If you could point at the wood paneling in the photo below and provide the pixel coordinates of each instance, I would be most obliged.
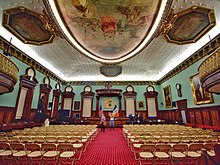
(1, 116)
(207, 116)
(215, 118)
(192, 117)
(198, 118)
(169, 115)
(6, 114)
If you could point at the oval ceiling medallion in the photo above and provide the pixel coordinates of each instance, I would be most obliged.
(108, 29)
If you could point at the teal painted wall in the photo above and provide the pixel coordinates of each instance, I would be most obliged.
(183, 79)
(140, 89)
(9, 99)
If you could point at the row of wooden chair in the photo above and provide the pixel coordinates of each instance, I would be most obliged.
(164, 128)
(172, 140)
(170, 153)
(50, 134)
(40, 153)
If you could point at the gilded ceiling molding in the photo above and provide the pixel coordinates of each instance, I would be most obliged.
(167, 23)
(28, 60)
(119, 83)
(205, 50)
(50, 25)
(176, 29)
(29, 26)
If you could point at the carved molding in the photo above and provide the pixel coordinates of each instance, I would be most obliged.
(8, 67)
(14, 51)
(202, 52)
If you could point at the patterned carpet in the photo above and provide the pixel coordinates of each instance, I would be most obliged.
(108, 148)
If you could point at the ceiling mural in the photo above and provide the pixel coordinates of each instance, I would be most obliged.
(27, 25)
(108, 29)
(190, 25)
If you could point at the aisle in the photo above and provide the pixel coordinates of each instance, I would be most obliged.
(109, 148)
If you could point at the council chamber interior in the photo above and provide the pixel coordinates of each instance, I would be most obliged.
(70, 60)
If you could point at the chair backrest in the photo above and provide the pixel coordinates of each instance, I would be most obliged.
(65, 147)
(195, 147)
(32, 147)
(48, 147)
(148, 147)
(180, 147)
(17, 146)
(9, 134)
(163, 147)
(4, 146)
(209, 146)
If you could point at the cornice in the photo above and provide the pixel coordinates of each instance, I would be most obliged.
(119, 83)
(17, 53)
(202, 52)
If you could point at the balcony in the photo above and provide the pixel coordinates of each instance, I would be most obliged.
(8, 74)
(209, 72)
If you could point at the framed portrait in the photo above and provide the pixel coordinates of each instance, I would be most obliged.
(200, 96)
(167, 97)
(109, 103)
(140, 104)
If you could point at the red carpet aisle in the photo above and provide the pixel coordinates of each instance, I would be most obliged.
(109, 148)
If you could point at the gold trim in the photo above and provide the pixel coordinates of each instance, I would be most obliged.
(14, 51)
(210, 65)
(171, 20)
(140, 104)
(47, 24)
(8, 67)
(167, 24)
(205, 50)
(167, 97)
(200, 96)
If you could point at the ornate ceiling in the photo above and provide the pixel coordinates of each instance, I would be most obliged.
(133, 40)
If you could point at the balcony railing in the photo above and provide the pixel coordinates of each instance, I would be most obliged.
(8, 74)
(210, 65)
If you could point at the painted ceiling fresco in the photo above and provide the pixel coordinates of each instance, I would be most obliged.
(108, 28)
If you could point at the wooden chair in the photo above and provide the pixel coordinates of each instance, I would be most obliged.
(194, 151)
(162, 153)
(146, 153)
(19, 152)
(34, 152)
(177, 153)
(5, 152)
(66, 153)
(50, 152)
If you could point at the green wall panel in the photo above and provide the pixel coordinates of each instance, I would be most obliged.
(9, 99)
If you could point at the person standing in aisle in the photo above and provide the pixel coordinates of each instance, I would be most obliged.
(103, 123)
(112, 120)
